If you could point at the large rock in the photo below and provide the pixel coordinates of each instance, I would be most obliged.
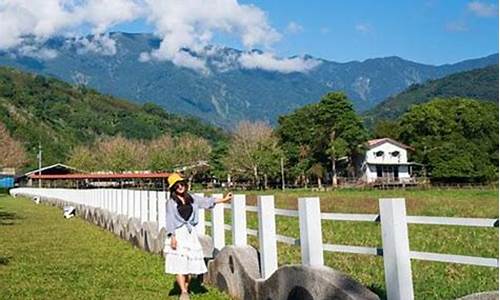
(236, 271)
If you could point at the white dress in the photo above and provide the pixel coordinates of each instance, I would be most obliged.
(188, 257)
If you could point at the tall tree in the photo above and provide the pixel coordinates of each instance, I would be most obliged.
(192, 152)
(119, 154)
(161, 153)
(254, 150)
(331, 129)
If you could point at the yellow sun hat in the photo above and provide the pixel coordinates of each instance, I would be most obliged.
(173, 179)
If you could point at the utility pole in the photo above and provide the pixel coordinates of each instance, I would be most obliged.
(39, 156)
(282, 175)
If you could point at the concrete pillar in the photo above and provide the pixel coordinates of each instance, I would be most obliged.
(144, 206)
(137, 204)
(162, 202)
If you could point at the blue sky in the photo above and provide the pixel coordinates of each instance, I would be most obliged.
(433, 31)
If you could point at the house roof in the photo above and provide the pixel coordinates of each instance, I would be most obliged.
(54, 166)
(376, 142)
(104, 176)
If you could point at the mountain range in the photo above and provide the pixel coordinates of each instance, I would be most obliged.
(227, 93)
(36, 108)
(480, 84)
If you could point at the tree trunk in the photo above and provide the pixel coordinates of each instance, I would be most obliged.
(319, 183)
(190, 181)
(256, 177)
(334, 173)
(265, 181)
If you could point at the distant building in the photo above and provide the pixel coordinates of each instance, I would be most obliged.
(7, 177)
(55, 169)
(386, 161)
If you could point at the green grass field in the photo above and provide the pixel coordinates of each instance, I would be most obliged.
(44, 256)
(432, 280)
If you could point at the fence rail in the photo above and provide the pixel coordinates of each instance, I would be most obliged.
(150, 206)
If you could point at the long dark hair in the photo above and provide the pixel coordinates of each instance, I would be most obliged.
(187, 197)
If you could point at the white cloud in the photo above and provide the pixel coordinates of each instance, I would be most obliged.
(181, 25)
(363, 27)
(269, 62)
(193, 23)
(456, 26)
(99, 43)
(294, 28)
(46, 18)
(37, 52)
(481, 9)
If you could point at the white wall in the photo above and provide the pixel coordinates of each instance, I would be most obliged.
(386, 158)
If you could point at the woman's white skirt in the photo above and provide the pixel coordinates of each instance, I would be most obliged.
(188, 257)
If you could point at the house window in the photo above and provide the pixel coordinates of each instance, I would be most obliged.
(395, 153)
(379, 171)
(379, 153)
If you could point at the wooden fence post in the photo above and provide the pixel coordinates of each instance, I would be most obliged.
(239, 215)
(396, 249)
(311, 240)
(267, 235)
(218, 234)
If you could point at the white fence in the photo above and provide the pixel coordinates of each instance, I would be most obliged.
(149, 206)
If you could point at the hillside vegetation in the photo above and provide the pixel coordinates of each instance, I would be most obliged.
(36, 108)
(481, 84)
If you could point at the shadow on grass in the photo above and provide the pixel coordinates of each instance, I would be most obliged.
(195, 287)
(7, 218)
(380, 291)
(4, 260)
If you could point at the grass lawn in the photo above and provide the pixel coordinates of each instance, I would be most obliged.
(44, 256)
(432, 280)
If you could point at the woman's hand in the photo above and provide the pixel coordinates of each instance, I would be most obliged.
(228, 197)
(173, 243)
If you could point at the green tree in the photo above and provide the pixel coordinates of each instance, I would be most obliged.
(386, 129)
(456, 139)
(331, 129)
(83, 158)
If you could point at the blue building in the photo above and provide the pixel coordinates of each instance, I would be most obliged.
(6, 181)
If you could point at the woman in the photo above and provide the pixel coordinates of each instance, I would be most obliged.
(183, 251)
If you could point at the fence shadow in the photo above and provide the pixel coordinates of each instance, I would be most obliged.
(4, 260)
(380, 291)
(7, 218)
(195, 287)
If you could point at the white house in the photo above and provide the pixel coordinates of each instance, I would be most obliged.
(386, 160)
